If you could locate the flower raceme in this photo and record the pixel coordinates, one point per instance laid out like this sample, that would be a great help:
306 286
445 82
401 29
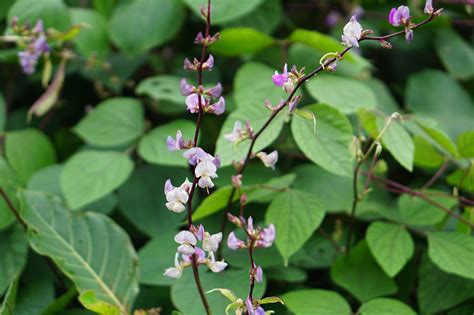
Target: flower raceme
287 80
211 100
259 237
35 49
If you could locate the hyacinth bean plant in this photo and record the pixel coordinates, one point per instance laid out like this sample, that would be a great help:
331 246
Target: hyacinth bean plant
191 233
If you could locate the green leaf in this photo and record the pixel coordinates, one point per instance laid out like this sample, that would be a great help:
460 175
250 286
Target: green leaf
456 55
92 39
136 26
385 100
463 178
90 175
9 301
40 151
241 40
224 11
9 182
347 95
418 212
296 216
93 251
4 6
425 154
439 139
266 192
358 273
225 292
252 86
53 13
439 291
316 302
452 252
89 300
391 245
335 192
142 200
214 203
427 95
266 18
153 149
385 306
398 142
323 43
114 122
14 249
329 147
186 298
163 88
465 144
286 274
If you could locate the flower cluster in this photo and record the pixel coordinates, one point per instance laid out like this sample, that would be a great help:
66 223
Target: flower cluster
210 100
259 237
401 16
35 47
188 247
239 133
288 80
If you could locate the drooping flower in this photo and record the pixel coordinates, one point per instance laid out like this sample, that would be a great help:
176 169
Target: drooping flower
210 242
399 16
176 197
206 170
234 243
429 7
187 241
352 32
176 271
408 36
176 144
269 160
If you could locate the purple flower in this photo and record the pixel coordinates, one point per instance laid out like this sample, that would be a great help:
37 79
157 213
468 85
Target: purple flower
408 36
194 155
199 232
333 18
249 306
209 64
217 108
399 16
188 65
216 91
259 274
429 7
185 88
192 102
236 134
29 57
293 103
234 243
178 144
266 237
280 79
269 160
250 227
259 311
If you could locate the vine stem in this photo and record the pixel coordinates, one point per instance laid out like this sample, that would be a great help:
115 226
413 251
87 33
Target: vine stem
197 278
277 110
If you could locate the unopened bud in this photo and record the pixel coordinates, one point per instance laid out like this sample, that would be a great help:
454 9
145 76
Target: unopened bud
237 181
438 12
366 33
234 219
378 148
385 44
243 199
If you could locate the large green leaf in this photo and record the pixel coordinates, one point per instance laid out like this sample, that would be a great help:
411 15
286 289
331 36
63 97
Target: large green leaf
428 94
142 200
438 291
186 298
266 18
252 86
398 142
14 249
241 40
93 251
214 202
9 182
153 149
165 89
137 26
9 301
93 38
296 216
316 302
456 55
418 212
336 191
391 245
40 151
452 252
224 11
116 121
426 154
439 139
385 306
358 273
347 95
329 146
90 175
53 13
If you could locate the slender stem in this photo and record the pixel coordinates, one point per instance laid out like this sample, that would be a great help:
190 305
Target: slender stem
197 279
437 175
279 108
13 209
400 188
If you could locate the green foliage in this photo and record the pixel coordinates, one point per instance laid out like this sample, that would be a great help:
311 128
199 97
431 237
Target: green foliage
398 142
53 13
14 248
317 302
224 11
239 41
384 306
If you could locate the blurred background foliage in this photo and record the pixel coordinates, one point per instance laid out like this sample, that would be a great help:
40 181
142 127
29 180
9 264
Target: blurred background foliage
100 149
